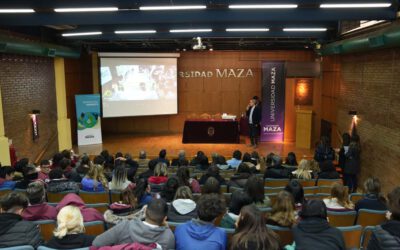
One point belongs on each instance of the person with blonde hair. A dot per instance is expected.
(283, 210)
(69, 233)
(304, 171)
(339, 199)
(160, 174)
(95, 181)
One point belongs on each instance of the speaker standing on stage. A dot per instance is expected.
(253, 112)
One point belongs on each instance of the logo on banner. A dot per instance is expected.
(211, 131)
(272, 128)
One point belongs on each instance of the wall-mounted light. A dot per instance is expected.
(35, 123)
(354, 121)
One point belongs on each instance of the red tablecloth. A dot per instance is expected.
(211, 131)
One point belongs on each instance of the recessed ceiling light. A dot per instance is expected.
(16, 11)
(94, 9)
(83, 34)
(177, 7)
(355, 5)
(263, 6)
(304, 29)
(135, 31)
(248, 30)
(190, 30)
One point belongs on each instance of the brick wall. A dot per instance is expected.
(27, 83)
(371, 85)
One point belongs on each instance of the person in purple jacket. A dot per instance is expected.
(38, 209)
(201, 234)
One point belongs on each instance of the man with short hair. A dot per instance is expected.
(253, 112)
(6, 177)
(44, 170)
(38, 209)
(201, 233)
(153, 230)
(143, 161)
(162, 157)
(236, 159)
(13, 230)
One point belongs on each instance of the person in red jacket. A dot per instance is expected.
(160, 174)
(38, 209)
(89, 214)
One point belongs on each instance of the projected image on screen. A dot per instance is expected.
(138, 86)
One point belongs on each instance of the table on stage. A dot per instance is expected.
(211, 131)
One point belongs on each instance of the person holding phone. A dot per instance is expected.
(253, 112)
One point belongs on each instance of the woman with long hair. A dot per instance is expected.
(183, 175)
(304, 171)
(251, 232)
(95, 181)
(142, 192)
(339, 199)
(170, 188)
(120, 179)
(69, 233)
(255, 189)
(283, 211)
(291, 159)
(296, 189)
(239, 199)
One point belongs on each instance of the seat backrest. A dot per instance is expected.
(328, 182)
(27, 247)
(342, 219)
(368, 217)
(94, 197)
(48, 248)
(273, 190)
(234, 189)
(352, 236)
(270, 182)
(115, 196)
(366, 235)
(94, 227)
(46, 228)
(354, 197)
(325, 189)
(57, 197)
(307, 183)
(4, 191)
(272, 198)
(285, 234)
(318, 196)
(311, 190)
(101, 207)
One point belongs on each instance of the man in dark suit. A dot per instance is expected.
(253, 112)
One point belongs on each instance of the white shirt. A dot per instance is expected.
(251, 114)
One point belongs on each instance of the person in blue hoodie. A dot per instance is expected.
(6, 177)
(201, 234)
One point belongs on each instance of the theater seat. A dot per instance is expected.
(94, 227)
(270, 182)
(101, 207)
(366, 236)
(94, 197)
(285, 234)
(27, 247)
(368, 217)
(328, 182)
(46, 228)
(115, 196)
(342, 219)
(57, 197)
(354, 197)
(352, 236)
(273, 190)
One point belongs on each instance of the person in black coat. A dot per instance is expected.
(352, 164)
(387, 235)
(212, 171)
(13, 230)
(324, 151)
(328, 171)
(344, 149)
(373, 198)
(314, 231)
(275, 170)
(253, 112)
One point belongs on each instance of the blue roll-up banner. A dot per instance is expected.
(88, 119)
(273, 102)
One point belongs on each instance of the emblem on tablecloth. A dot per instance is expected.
(211, 131)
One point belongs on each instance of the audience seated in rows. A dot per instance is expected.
(255, 189)
(219, 161)
(182, 208)
(295, 188)
(58, 183)
(13, 230)
(6, 177)
(303, 171)
(181, 160)
(339, 199)
(183, 175)
(212, 171)
(69, 233)
(387, 235)
(373, 198)
(170, 188)
(38, 209)
(30, 174)
(239, 199)
(236, 159)
(119, 180)
(283, 212)
(275, 169)
(44, 170)
(239, 179)
(94, 181)
(160, 174)
(314, 231)
(153, 229)
(127, 208)
(89, 214)
(328, 171)
(251, 232)
(200, 161)
(201, 233)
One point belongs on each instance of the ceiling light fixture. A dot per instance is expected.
(94, 9)
(135, 31)
(304, 29)
(177, 7)
(82, 34)
(190, 30)
(263, 6)
(355, 5)
(247, 30)
(16, 11)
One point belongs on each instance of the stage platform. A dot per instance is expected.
(152, 144)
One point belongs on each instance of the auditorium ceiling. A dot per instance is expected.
(124, 25)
